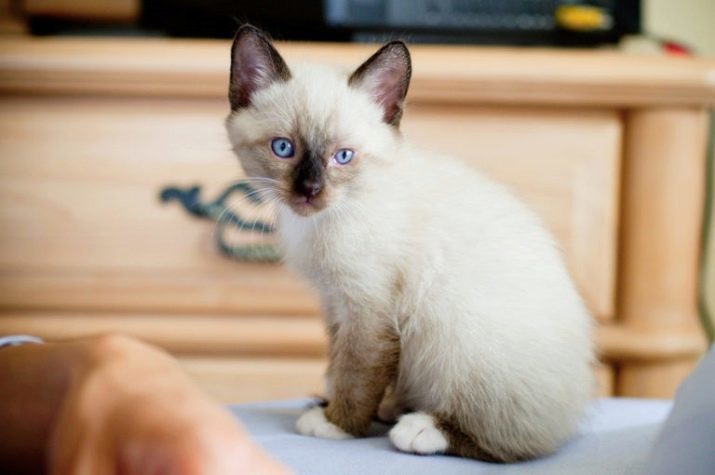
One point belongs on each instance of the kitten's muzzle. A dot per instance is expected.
(306, 206)
(309, 176)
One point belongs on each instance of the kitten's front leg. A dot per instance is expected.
(331, 309)
(363, 361)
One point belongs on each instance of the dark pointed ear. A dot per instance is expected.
(386, 77)
(255, 64)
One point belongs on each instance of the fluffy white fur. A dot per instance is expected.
(492, 331)
(416, 433)
(314, 423)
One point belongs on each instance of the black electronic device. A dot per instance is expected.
(489, 21)
(522, 22)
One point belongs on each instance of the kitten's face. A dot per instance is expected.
(308, 134)
(311, 134)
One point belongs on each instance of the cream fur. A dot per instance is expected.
(416, 432)
(492, 331)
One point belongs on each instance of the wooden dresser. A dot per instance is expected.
(609, 148)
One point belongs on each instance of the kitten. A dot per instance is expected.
(445, 297)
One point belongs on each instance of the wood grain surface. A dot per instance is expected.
(84, 228)
(442, 74)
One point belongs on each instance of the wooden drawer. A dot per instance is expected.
(84, 229)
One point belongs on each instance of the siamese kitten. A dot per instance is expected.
(446, 301)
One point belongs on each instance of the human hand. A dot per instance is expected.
(128, 409)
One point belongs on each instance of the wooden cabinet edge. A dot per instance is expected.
(244, 379)
(304, 335)
(618, 343)
(184, 334)
(151, 67)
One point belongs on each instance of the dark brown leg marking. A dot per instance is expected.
(361, 367)
(461, 443)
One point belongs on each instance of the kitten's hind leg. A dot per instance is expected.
(391, 406)
(426, 434)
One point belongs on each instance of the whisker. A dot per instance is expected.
(238, 207)
(231, 208)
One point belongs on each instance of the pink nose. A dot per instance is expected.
(310, 188)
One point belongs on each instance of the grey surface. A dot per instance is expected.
(686, 443)
(616, 438)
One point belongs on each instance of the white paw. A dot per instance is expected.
(313, 422)
(416, 433)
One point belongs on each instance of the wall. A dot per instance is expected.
(691, 21)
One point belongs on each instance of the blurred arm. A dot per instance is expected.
(114, 405)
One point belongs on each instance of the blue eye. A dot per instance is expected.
(282, 147)
(344, 156)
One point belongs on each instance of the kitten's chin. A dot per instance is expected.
(306, 208)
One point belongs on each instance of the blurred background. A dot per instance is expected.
(517, 22)
(121, 207)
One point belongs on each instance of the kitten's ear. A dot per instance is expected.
(386, 77)
(255, 64)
